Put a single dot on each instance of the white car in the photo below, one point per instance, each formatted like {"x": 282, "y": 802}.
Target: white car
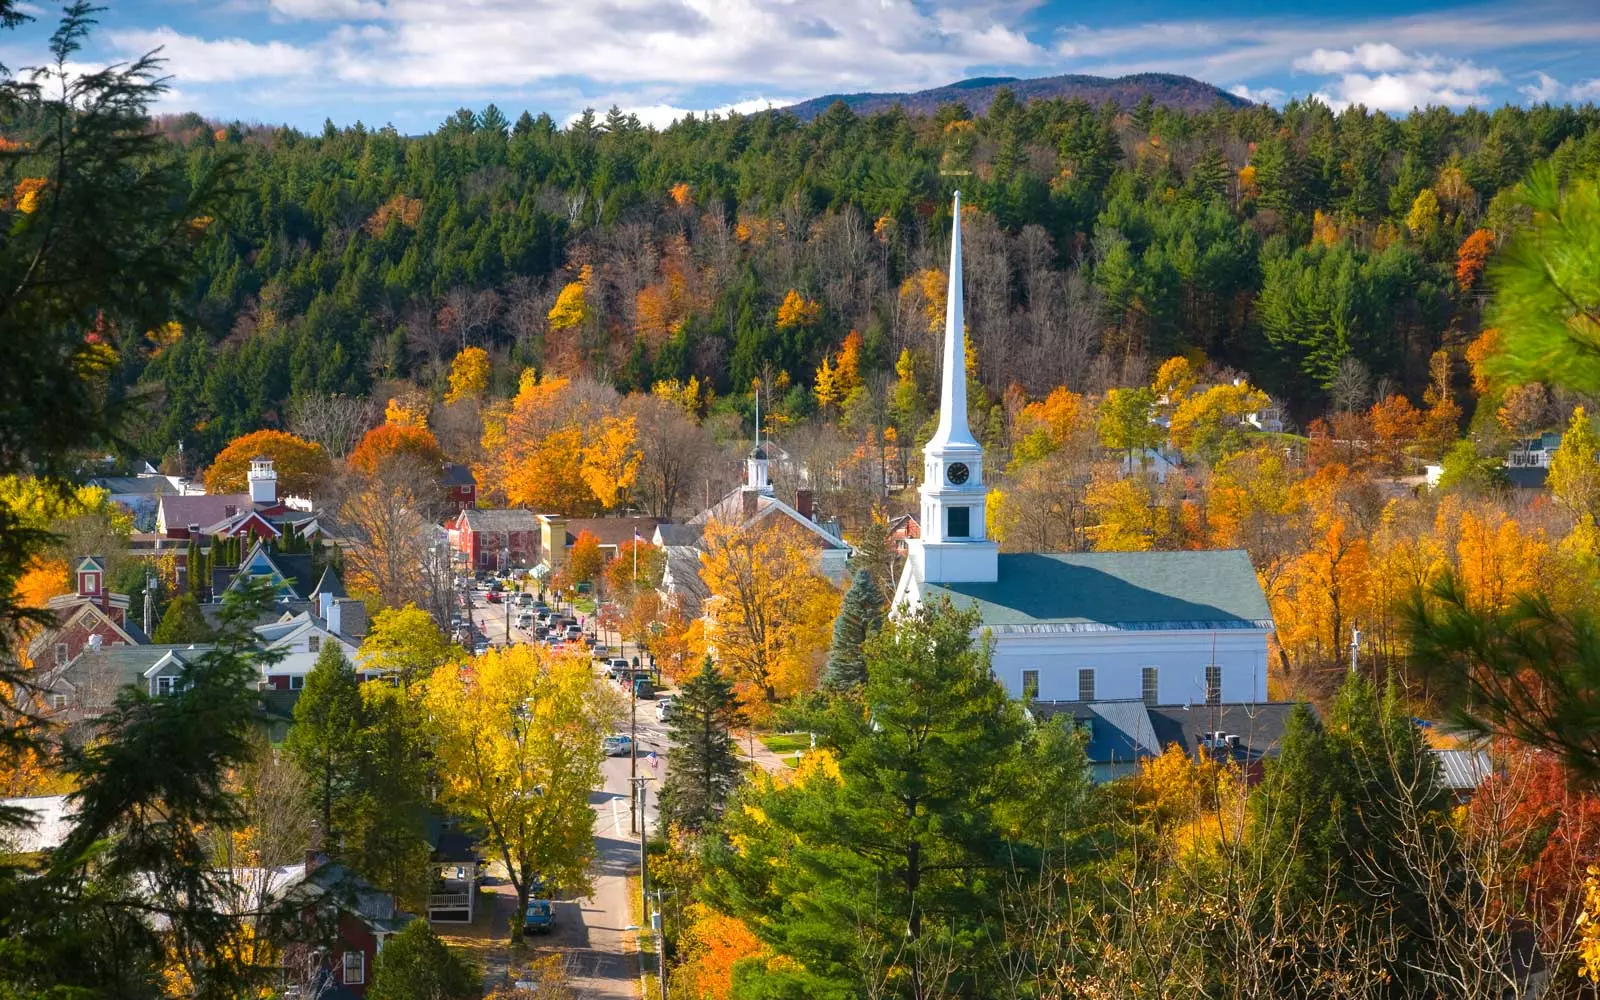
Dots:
{"x": 619, "y": 745}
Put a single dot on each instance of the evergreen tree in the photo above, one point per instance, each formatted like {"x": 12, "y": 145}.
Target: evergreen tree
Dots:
{"x": 182, "y": 623}
{"x": 386, "y": 811}
{"x": 705, "y": 768}
{"x": 860, "y": 615}
{"x": 416, "y": 965}
{"x": 889, "y": 858}
{"x": 325, "y": 738}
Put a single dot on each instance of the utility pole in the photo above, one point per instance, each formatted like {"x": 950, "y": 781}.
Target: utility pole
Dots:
{"x": 658, "y": 924}
{"x": 149, "y": 602}
{"x": 638, "y": 784}
{"x": 635, "y": 824}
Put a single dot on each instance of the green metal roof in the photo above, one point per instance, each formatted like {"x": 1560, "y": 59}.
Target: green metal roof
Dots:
{"x": 1117, "y": 590}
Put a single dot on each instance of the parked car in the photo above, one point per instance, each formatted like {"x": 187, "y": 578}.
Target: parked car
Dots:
{"x": 524, "y": 600}
{"x": 493, "y": 597}
{"x": 644, "y": 688}
{"x": 524, "y": 620}
{"x": 620, "y": 745}
{"x": 540, "y": 917}
{"x": 480, "y": 649}
{"x": 665, "y": 707}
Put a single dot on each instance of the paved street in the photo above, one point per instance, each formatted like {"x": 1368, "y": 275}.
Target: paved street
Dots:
{"x": 594, "y": 931}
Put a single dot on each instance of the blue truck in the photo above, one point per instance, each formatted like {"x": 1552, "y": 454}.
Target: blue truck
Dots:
{"x": 540, "y": 917}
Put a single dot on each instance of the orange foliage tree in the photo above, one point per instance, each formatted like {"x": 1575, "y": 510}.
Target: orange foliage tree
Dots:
{"x": 562, "y": 448}
{"x": 797, "y": 311}
{"x": 711, "y": 943}
{"x": 300, "y": 464}
{"x": 386, "y": 442}
{"x": 584, "y": 559}
{"x": 1395, "y": 423}
{"x": 770, "y": 609}
{"x": 1471, "y": 257}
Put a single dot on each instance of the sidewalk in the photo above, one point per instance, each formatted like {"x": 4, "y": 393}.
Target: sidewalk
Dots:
{"x": 768, "y": 761}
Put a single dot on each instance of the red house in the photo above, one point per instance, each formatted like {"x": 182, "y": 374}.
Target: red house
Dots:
{"x": 460, "y": 488}
{"x": 495, "y": 539}
{"x": 347, "y": 922}
{"x": 91, "y": 615}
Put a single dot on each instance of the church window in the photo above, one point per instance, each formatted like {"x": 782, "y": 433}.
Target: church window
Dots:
{"x": 960, "y": 522}
{"x": 1213, "y": 684}
{"x": 1150, "y": 685}
{"x": 1086, "y": 684}
{"x": 1030, "y": 685}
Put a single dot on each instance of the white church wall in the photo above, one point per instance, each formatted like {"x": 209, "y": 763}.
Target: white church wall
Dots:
{"x": 1118, "y": 659}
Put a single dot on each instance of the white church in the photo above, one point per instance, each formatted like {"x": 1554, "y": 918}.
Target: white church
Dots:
{"x": 1165, "y": 628}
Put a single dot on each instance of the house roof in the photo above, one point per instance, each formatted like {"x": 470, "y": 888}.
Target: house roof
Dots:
{"x": 210, "y": 508}
{"x": 136, "y": 485}
{"x": 514, "y": 519}
{"x": 329, "y": 584}
{"x": 730, "y": 510}
{"x": 682, "y": 575}
{"x": 1463, "y": 770}
{"x": 52, "y": 819}
{"x": 1117, "y": 590}
{"x": 330, "y": 880}
{"x": 98, "y": 674}
{"x": 1127, "y": 731}
{"x": 612, "y": 530}
{"x": 678, "y": 534}
{"x": 456, "y": 474}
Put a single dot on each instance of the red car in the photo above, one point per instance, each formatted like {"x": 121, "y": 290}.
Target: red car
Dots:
{"x": 493, "y": 597}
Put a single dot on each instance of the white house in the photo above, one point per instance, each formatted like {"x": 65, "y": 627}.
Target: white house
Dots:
{"x": 1163, "y": 627}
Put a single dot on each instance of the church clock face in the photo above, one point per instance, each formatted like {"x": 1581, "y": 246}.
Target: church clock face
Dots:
{"x": 958, "y": 472}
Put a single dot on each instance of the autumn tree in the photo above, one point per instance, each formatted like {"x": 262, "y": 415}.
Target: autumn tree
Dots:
{"x": 637, "y": 566}
{"x": 585, "y": 561}
{"x": 469, "y": 375}
{"x": 1210, "y": 424}
{"x": 389, "y": 441}
{"x": 518, "y": 744}
{"x": 1575, "y": 468}
{"x": 406, "y": 643}
{"x": 1395, "y": 424}
{"x": 1126, "y": 421}
{"x": 769, "y": 607}
{"x": 390, "y": 512}
{"x": 563, "y": 446}
{"x": 1472, "y": 256}
{"x": 300, "y": 464}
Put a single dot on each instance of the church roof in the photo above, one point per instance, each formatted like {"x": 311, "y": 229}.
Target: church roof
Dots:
{"x": 1095, "y": 591}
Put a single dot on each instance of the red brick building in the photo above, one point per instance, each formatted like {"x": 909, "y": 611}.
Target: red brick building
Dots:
{"x": 495, "y": 539}
{"x": 90, "y": 614}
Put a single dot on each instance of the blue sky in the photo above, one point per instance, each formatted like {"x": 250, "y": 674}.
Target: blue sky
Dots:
{"x": 412, "y": 62}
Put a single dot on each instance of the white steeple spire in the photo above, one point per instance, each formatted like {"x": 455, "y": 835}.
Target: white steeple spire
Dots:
{"x": 953, "y": 427}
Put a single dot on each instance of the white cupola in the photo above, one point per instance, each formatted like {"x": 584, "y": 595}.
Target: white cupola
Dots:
{"x": 755, "y": 471}
{"x": 263, "y": 481}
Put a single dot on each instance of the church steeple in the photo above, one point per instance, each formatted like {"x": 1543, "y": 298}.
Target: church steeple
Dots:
{"x": 953, "y": 427}
{"x": 954, "y": 546}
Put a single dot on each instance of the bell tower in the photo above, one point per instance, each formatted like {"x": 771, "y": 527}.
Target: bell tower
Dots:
{"x": 954, "y": 547}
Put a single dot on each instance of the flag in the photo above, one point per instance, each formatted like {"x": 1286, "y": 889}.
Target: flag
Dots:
{"x": 651, "y": 757}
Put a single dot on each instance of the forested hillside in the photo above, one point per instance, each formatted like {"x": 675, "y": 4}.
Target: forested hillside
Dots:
{"x": 1284, "y": 244}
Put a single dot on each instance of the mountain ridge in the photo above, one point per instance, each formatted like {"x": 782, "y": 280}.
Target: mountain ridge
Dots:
{"x": 977, "y": 93}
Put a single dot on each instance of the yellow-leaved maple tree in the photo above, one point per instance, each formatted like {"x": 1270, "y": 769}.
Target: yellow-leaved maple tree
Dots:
{"x": 560, "y": 450}
{"x": 518, "y": 746}
{"x": 770, "y": 610}
{"x": 469, "y": 375}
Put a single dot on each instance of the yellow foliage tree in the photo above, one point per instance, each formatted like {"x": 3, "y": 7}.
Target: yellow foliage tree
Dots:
{"x": 561, "y": 449}
{"x": 797, "y": 311}
{"x": 1209, "y": 424}
{"x": 571, "y": 306}
{"x": 469, "y": 375}
{"x": 1423, "y": 219}
{"x": 1174, "y": 380}
{"x": 770, "y": 610}
{"x": 1321, "y": 594}
{"x": 1126, "y": 516}
{"x": 518, "y": 747}
{"x": 407, "y": 410}
{"x": 611, "y": 459}
{"x": 1496, "y": 558}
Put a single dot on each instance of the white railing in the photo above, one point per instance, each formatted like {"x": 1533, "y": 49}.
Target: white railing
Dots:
{"x": 448, "y": 901}
{"x": 1528, "y": 459}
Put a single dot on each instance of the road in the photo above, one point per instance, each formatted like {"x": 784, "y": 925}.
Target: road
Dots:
{"x": 596, "y": 932}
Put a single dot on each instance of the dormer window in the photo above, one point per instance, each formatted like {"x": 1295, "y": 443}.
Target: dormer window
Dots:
{"x": 88, "y": 584}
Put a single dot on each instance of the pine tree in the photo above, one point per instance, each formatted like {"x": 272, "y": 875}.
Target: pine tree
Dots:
{"x": 325, "y": 738}
{"x": 183, "y": 622}
{"x": 416, "y": 965}
{"x": 860, "y": 615}
{"x": 704, "y": 766}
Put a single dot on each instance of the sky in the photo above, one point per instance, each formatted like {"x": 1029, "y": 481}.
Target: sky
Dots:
{"x": 411, "y": 63}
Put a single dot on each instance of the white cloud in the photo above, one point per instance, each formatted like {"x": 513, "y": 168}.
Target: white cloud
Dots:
{"x": 662, "y": 115}
{"x": 1266, "y": 95}
{"x": 327, "y": 10}
{"x": 1367, "y": 56}
{"x": 1548, "y": 88}
{"x": 197, "y": 60}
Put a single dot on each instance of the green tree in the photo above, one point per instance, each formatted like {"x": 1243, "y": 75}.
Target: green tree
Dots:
{"x": 1463, "y": 468}
{"x": 416, "y": 965}
{"x": 1575, "y": 468}
{"x": 183, "y": 622}
{"x": 889, "y": 855}
{"x": 386, "y": 810}
{"x": 705, "y": 768}
{"x": 860, "y": 615}
{"x": 325, "y": 738}
{"x": 1125, "y": 420}
{"x": 1546, "y": 301}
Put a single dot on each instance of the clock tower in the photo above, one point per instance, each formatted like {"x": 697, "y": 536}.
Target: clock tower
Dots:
{"x": 954, "y": 547}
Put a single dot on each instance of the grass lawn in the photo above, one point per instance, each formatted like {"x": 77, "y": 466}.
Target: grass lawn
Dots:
{"x": 787, "y": 743}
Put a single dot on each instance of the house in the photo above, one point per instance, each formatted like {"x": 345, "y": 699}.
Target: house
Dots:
{"x": 140, "y": 495}
{"x": 456, "y": 864}
{"x": 495, "y": 539}
{"x": 460, "y": 488}
{"x": 298, "y": 639}
{"x": 87, "y": 686}
{"x": 755, "y": 505}
{"x": 349, "y": 921}
{"x": 91, "y": 614}
{"x": 1123, "y": 734}
{"x": 1158, "y": 627}
{"x": 557, "y": 535}
{"x": 51, "y": 819}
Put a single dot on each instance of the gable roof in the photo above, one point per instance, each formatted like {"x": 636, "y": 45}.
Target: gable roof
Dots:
{"x": 512, "y": 519}
{"x": 91, "y": 564}
{"x": 70, "y": 611}
{"x": 292, "y": 573}
{"x": 456, "y": 474}
{"x": 177, "y": 512}
{"x": 329, "y": 584}
{"x": 678, "y": 534}
{"x": 1106, "y": 591}
{"x": 96, "y": 675}
{"x": 730, "y": 510}
{"x": 612, "y": 530}
{"x": 136, "y": 485}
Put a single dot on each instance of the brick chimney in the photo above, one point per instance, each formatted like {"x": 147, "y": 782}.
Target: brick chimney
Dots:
{"x": 805, "y": 503}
